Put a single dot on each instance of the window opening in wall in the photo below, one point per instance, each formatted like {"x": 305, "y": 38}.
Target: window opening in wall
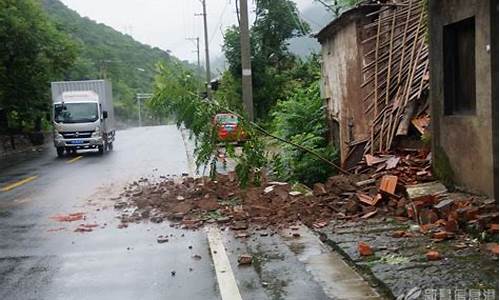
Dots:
{"x": 460, "y": 68}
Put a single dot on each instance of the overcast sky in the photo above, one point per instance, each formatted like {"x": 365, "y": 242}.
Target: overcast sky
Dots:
{"x": 166, "y": 23}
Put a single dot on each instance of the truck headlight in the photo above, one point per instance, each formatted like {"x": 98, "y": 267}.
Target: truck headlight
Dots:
{"x": 97, "y": 132}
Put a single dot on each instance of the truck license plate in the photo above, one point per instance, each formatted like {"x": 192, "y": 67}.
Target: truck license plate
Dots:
{"x": 77, "y": 142}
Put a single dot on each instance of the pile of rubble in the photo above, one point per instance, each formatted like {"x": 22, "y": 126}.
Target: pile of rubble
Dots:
{"x": 398, "y": 185}
{"x": 191, "y": 202}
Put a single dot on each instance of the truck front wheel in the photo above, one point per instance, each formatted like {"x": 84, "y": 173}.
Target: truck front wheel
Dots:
{"x": 60, "y": 151}
{"x": 100, "y": 150}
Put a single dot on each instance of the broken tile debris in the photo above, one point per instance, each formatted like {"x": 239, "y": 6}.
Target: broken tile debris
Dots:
{"x": 388, "y": 184}
{"x": 397, "y": 189}
{"x": 245, "y": 259}
{"x": 72, "y": 217}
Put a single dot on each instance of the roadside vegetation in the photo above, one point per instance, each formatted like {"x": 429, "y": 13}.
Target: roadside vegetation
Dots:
{"x": 287, "y": 102}
{"x": 32, "y": 53}
{"x": 106, "y": 53}
{"x": 300, "y": 118}
{"x": 44, "y": 41}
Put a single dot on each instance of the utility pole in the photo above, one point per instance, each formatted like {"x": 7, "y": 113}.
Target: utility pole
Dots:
{"x": 139, "y": 110}
{"x": 207, "y": 55}
{"x": 141, "y": 97}
{"x": 246, "y": 63}
{"x": 104, "y": 68}
{"x": 197, "y": 39}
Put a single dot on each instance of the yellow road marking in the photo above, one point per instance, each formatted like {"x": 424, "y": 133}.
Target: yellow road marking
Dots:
{"x": 74, "y": 159}
{"x": 17, "y": 184}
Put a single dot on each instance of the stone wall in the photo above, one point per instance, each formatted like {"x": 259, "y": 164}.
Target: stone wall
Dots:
{"x": 10, "y": 144}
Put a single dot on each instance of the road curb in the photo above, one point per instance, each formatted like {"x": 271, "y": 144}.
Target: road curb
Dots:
{"x": 363, "y": 271}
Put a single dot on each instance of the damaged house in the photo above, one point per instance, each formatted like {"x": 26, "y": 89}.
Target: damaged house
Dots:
{"x": 375, "y": 77}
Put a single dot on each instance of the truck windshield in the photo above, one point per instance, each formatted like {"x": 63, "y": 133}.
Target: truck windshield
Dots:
{"x": 76, "y": 112}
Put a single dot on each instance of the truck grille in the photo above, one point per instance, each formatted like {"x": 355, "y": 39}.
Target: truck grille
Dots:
{"x": 77, "y": 134}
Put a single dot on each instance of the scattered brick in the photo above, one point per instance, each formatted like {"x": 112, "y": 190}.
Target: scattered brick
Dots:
{"x": 442, "y": 235}
{"x": 388, "y": 184}
{"x": 493, "y": 248}
{"x": 245, "y": 259}
{"x": 433, "y": 256}
{"x": 364, "y": 249}
{"x": 69, "y": 217}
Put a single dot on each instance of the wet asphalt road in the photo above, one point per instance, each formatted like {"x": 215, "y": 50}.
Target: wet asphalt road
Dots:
{"x": 41, "y": 258}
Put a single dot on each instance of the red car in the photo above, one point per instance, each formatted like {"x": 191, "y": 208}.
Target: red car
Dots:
{"x": 228, "y": 128}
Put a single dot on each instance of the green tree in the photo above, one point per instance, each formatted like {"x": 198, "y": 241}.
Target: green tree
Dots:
{"x": 176, "y": 95}
{"x": 107, "y": 53}
{"x": 276, "y": 22}
{"x": 300, "y": 118}
{"x": 32, "y": 53}
{"x": 338, "y": 6}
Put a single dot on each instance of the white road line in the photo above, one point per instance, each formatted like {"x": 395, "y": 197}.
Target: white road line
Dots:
{"x": 190, "y": 159}
{"x": 225, "y": 277}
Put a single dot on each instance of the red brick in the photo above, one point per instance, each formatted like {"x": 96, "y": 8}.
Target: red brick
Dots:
{"x": 493, "y": 248}
{"x": 364, "y": 249}
{"x": 388, "y": 184}
{"x": 451, "y": 225}
{"x": 433, "y": 255}
{"x": 245, "y": 259}
{"x": 443, "y": 235}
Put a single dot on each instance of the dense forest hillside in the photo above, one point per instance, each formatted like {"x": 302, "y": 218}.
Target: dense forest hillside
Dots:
{"x": 107, "y": 53}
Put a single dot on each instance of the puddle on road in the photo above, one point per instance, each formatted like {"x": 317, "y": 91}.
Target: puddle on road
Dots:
{"x": 304, "y": 246}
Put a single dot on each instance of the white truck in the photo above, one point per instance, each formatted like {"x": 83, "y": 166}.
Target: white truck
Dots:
{"x": 83, "y": 116}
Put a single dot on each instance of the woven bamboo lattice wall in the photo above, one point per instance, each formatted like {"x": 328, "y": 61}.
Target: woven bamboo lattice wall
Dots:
{"x": 395, "y": 70}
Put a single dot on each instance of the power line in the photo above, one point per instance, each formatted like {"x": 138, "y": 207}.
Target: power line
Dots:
{"x": 295, "y": 17}
{"x": 197, "y": 39}
{"x": 328, "y": 6}
{"x": 310, "y": 21}
{"x": 219, "y": 23}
